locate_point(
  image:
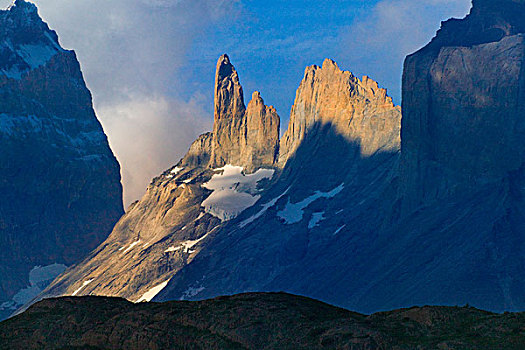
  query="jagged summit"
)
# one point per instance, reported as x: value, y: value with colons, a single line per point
x: 354, y: 107
x: 27, y: 6
x: 488, y: 21
x: 222, y: 174
x: 26, y: 42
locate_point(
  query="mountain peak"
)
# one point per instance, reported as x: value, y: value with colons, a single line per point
x: 229, y: 99
x: 224, y: 68
x: 22, y: 4
x: 327, y: 89
x: 23, y: 9
x: 26, y: 41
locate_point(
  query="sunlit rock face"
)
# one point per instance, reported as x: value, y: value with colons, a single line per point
x: 59, y: 181
x: 357, y: 109
x: 242, y: 136
x: 222, y: 174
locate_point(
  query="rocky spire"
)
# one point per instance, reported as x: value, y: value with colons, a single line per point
x: 247, y: 138
x: 261, y: 135
x: 228, y: 116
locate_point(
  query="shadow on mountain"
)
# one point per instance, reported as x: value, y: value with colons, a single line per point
x: 264, y: 250
x: 355, y: 250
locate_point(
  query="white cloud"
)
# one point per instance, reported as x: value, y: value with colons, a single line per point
x: 132, y: 53
x: 150, y: 133
x: 377, y: 44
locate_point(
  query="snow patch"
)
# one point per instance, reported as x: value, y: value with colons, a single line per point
x: 131, y: 246
x: 150, y: 294
x: 176, y: 170
x: 36, y: 55
x: 316, y: 219
x: 82, y: 287
x: 39, y: 278
x: 233, y: 191
x: 172, y: 249
x: 186, y: 245
x: 293, y: 213
x: 264, y: 209
x: 29, y: 56
x: 191, y: 292
x: 339, y: 230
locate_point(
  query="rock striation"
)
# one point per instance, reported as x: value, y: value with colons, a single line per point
x: 59, y: 180
x: 184, y: 207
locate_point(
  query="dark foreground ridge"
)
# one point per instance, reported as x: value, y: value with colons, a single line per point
x: 253, y: 321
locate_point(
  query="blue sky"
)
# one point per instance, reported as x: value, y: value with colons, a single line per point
x: 150, y: 64
x: 271, y: 43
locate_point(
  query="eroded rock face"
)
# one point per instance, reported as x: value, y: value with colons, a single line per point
x: 168, y: 227
x: 59, y: 181
x: 357, y: 109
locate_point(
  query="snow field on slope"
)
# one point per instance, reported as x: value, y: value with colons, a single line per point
x: 293, y: 213
x: 233, y: 191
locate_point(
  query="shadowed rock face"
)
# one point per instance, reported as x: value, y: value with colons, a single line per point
x: 253, y: 321
x: 59, y: 181
x: 464, y: 115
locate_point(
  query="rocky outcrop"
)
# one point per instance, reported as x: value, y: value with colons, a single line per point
x: 59, y: 181
x: 357, y: 109
x: 260, y: 137
x: 254, y: 321
x: 183, y: 208
x: 245, y: 137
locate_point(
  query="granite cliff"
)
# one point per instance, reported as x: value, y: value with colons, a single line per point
x: 248, y: 137
x: 59, y: 181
